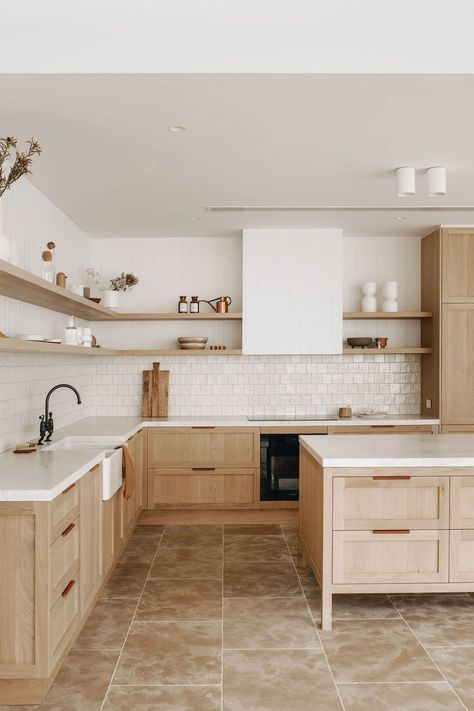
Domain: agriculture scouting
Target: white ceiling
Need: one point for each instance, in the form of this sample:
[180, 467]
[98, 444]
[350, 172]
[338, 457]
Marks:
[251, 140]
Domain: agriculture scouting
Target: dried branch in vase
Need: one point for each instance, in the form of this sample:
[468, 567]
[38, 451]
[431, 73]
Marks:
[9, 173]
[124, 282]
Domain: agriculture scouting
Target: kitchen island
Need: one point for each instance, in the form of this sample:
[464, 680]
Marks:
[394, 514]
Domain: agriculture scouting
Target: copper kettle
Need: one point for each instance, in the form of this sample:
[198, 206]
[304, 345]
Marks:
[222, 304]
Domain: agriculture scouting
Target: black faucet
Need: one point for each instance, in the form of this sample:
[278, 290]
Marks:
[46, 420]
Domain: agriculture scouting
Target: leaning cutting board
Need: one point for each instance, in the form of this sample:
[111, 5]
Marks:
[155, 392]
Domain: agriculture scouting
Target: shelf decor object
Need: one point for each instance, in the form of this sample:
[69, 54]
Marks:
[369, 298]
[390, 295]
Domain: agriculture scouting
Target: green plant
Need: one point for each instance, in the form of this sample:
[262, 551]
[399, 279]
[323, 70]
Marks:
[11, 170]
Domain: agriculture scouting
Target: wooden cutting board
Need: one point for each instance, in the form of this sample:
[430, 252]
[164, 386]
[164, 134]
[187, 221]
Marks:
[155, 392]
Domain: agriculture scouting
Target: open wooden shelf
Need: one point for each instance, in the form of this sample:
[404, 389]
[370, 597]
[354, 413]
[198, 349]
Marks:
[385, 315]
[177, 317]
[179, 352]
[384, 351]
[14, 345]
[19, 284]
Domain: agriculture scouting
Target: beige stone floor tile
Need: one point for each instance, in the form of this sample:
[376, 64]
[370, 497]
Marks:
[433, 604]
[252, 529]
[457, 664]
[278, 680]
[261, 623]
[148, 531]
[187, 563]
[171, 653]
[248, 548]
[80, 685]
[257, 579]
[127, 581]
[376, 651]
[307, 579]
[165, 698]
[452, 630]
[194, 536]
[399, 697]
[354, 607]
[140, 549]
[170, 599]
[107, 625]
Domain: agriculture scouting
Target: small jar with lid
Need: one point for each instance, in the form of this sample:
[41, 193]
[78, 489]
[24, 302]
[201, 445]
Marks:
[182, 305]
[194, 305]
[48, 272]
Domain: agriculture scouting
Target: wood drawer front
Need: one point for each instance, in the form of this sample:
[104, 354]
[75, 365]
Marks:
[363, 503]
[461, 556]
[64, 554]
[457, 429]
[368, 557]
[181, 488]
[382, 429]
[63, 619]
[203, 447]
[64, 507]
[462, 502]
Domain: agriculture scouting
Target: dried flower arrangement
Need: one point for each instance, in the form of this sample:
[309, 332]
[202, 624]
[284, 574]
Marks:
[11, 170]
[124, 282]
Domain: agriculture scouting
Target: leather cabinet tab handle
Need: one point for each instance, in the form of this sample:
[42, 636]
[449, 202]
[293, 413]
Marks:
[68, 588]
[68, 489]
[68, 530]
[391, 530]
[391, 478]
[204, 469]
[380, 427]
[203, 427]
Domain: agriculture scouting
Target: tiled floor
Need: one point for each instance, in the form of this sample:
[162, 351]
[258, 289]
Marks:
[217, 618]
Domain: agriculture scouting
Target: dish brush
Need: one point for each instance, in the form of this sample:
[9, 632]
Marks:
[25, 447]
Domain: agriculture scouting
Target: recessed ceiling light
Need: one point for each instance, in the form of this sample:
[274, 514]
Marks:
[400, 217]
[194, 219]
[176, 129]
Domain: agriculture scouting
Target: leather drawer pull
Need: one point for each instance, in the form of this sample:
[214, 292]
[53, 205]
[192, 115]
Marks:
[68, 489]
[382, 427]
[68, 530]
[68, 588]
[204, 469]
[203, 427]
[392, 530]
[391, 478]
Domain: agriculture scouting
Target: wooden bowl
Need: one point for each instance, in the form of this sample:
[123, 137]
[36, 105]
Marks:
[360, 342]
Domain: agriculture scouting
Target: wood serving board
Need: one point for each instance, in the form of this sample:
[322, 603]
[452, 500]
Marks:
[155, 392]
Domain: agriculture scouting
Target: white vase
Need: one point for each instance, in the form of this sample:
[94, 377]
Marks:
[369, 288]
[369, 304]
[390, 290]
[390, 305]
[111, 299]
[5, 246]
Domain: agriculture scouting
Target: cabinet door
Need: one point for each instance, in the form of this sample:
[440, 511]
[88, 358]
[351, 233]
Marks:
[461, 556]
[462, 502]
[119, 515]
[108, 535]
[385, 502]
[383, 429]
[91, 537]
[130, 504]
[140, 472]
[216, 488]
[457, 265]
[458, 364]
[300, 308]
[390, 557]
[203, 447]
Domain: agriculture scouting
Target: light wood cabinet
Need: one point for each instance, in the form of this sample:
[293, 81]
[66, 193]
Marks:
[458, 265]
[140, 469]
[390, 502]
[217, 488]
[458, 364]
[202, 447]
[108, 535]
[64, 553]
[91, 537]
[383, 429]
[64, 620]
[462, 502]
[457, 429]
[461, 556]
[396, 557]
[119, 516]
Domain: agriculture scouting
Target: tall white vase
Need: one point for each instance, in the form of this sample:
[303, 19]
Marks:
[369, 299]
[5, 246]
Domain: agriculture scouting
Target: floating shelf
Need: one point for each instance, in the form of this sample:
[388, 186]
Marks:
[385, 315]
[179, 352]
[384, 351]
[14, 345]
[21, 285]
[177, 317]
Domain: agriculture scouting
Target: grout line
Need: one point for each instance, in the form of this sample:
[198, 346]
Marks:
[316, 629]
[131, 622]
[222, 620]
[388, 683]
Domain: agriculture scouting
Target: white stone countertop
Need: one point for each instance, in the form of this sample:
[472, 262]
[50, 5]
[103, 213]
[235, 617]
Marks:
[403, 450]
[44, 474]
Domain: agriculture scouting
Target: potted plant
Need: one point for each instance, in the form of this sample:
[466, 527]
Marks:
[123, 282]
[13, 164]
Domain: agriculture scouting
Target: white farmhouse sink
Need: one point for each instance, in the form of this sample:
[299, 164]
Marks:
[111, 464]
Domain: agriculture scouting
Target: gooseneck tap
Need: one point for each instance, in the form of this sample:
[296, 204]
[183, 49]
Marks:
[46, 420]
